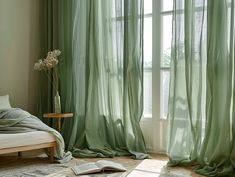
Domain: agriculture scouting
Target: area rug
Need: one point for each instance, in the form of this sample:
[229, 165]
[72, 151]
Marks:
[41, 166]
[30, 167]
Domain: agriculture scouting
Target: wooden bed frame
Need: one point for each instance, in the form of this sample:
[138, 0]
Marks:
[51, 146]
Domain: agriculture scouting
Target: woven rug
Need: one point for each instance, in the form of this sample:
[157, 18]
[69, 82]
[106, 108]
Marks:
[30, 167]
[41, 166]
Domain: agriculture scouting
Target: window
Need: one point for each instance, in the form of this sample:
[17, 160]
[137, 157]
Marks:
[148, 58]
[166, 33]
[164, 28]
[157, 54]
[156, 36]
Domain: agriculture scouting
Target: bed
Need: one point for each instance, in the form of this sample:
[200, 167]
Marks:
[20, 131]
[20, 142]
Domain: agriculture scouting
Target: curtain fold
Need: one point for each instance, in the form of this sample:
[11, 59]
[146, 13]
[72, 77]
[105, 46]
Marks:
[102, 77]
[48, 18]
[201, 103]
[187, 85]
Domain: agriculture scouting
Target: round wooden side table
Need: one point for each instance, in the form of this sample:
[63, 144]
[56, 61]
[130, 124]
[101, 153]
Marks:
[58, 116]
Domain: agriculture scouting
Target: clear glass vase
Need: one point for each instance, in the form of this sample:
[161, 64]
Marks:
[57, 105]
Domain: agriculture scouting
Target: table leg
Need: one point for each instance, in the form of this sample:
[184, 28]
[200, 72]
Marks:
[19, 154]
[59, 124]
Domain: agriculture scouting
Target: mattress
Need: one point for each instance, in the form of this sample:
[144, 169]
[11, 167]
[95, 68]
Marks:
[25, 139]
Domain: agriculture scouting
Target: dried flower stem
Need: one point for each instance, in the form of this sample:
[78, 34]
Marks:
[47, 64]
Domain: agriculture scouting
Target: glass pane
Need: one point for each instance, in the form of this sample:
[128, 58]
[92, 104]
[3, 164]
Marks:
[148, 93]
[148, 42]
[165, 80]
[166, 40]
[200, 3]
[148, 67]
[148, 6]
[167, 5]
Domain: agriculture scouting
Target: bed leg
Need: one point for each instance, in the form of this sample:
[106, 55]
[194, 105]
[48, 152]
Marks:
[19, 154]
[52, 154]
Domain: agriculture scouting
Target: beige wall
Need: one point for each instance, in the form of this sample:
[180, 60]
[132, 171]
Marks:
[19, 48]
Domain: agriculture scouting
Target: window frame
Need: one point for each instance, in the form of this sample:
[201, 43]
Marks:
[149, 116]
[157, 53]
[163, 68]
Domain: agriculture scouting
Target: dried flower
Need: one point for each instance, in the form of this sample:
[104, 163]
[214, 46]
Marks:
[50, 62]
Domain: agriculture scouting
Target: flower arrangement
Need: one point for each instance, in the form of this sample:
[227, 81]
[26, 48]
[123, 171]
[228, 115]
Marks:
[49, 63]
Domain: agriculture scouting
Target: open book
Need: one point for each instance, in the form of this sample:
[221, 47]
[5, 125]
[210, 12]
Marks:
[99, 166]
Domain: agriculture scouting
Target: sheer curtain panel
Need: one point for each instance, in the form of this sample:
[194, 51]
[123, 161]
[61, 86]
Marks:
[201, 103]
[102, 76]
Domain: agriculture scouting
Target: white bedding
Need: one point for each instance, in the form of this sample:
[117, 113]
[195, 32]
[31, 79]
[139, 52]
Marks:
[25, 139]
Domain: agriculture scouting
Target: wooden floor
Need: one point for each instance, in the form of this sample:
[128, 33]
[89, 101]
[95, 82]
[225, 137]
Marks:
[157, 164]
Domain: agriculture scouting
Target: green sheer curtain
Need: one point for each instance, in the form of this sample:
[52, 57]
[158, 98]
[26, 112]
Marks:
[102, 76]
[201, 103]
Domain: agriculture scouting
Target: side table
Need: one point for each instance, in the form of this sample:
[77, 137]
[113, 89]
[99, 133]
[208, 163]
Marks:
[58, 116]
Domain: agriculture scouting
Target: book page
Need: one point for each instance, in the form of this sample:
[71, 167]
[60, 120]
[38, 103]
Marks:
[86, 168]
[109, 165]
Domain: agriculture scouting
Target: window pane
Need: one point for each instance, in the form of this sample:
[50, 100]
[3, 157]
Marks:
[117, 8]
[200, 3]
[148, 93]
[148, 6]
[167, 5]
[165, 80]
[148, 42]
[166, 40]
[148, 67]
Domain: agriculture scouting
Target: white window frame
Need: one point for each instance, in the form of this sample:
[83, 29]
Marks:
[148, 15]
[157, 29]
[155, 128]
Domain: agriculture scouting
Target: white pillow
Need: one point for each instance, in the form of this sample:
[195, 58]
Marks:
[4, 102]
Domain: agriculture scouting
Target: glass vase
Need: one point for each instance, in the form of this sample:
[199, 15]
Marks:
[57, 105]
